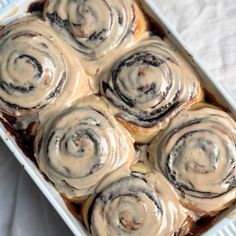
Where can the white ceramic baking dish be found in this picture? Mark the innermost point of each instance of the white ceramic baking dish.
(9, 10)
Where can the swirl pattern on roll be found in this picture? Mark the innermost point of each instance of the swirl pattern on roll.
(81, 146)
(150, 84)
(95, 27)
(197, 153)
(33, 69)
(131, 206)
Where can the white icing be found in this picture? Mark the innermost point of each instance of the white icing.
(81, 146)
(197, 153)
(133, 206)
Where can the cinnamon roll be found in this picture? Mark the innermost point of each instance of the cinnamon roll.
(95, 28)
(81, 146)
(136, 205)
(197, 154)
(148, 86)
(34, 68)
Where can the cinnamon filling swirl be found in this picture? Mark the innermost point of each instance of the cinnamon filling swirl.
(149, 85)
(132, 206)
(197, 153)
(94, 27)
(33, 69)
(81, 146)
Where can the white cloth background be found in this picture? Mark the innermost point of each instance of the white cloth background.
(208, 27)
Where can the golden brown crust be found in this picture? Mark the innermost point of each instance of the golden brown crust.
(140, 22)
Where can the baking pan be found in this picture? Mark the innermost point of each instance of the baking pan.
(11, 9)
